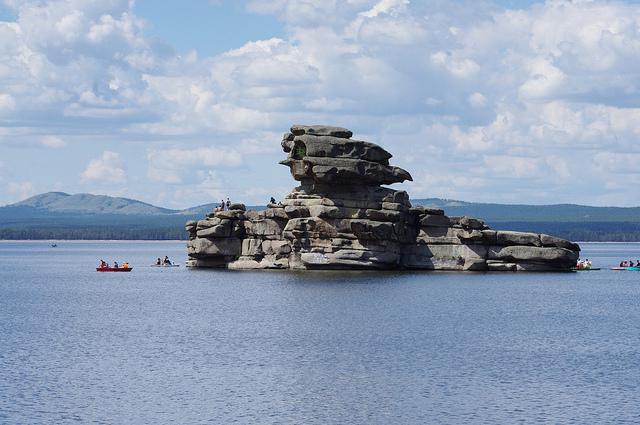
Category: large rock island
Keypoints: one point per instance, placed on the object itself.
(340, 217)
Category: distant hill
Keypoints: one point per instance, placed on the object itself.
(58, 215)
(60, 202)
(533, 213)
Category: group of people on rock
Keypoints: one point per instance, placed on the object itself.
(629, 263)
(105, 265)
(224, 206)
(165, 262)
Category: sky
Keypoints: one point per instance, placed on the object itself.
(183, 103)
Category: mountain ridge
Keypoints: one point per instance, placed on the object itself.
(59, 215)
(86, 203)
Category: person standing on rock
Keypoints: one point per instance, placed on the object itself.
(222, 205)
(228, 204)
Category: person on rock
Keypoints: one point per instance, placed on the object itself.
(222, 205)
(272, 200)
(228, 204)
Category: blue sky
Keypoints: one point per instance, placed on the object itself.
(182, 103)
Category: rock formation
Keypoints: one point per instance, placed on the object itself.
(340, 217)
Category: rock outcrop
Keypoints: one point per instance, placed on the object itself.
(340, 217)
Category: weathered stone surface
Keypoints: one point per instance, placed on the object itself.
(219, 231)
(341, 218)
(252, 248)
(343, 170)
(433, 220)
(321, 130)
(335, 147)
(275, 213)
(266, 262)
(501, 266)
(231, 214)
(426, 210)
(471, 223)
(203, 248)
(547, 240)
(265, 227)
(532, 254)
(505, 237)
(238, 207)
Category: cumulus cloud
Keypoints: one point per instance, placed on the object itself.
(465, 89)
(20, 190)
(53, 142)
(171, 165)
(106, 169)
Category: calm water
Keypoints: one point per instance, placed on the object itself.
(191, 346)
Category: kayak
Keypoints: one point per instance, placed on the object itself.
(632, 269)
(114, 269)
(576, 269)
(165, 265)
(618, 268)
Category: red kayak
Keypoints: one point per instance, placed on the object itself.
(114, 269)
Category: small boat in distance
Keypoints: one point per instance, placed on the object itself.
(114, 269)
(105, 267)
(165, 265)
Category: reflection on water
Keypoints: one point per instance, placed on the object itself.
(195, 346)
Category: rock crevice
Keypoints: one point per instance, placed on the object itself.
(340, 217)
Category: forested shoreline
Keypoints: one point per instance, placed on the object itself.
(174, 230)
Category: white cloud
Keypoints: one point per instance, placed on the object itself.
(106, 169)
(477, 100)
(54, 142)
(20, 190)
(7, 102)
(480, 91)
(172, 165)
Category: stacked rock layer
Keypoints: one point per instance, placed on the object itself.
(340, 217)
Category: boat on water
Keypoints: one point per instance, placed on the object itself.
(165, 265)
(583, 269)
(632, 269)
(114, 269)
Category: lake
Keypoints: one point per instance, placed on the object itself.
(204, 346)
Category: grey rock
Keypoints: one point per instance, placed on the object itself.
(205, 248)
(343, 170)
(231, 214)
(219, 231)
(334, 147)
(429, 220)
(517, 238)
(238, 207)
(532, 254)
(293, 211)
(420, 210)
(547, 240)
(321, 130)
(265, 227)
(471, 223)
(340, 217)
